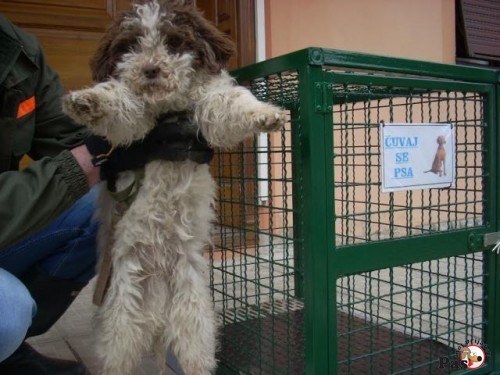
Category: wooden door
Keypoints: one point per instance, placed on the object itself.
(236, 18)
(68, 30)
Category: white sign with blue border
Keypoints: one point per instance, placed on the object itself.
(417, 156)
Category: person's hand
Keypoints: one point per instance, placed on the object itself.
(84, 159)
(174, 138)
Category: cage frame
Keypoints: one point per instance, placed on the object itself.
(324, 262)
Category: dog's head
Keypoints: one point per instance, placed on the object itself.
(441, 140)
(158, 45)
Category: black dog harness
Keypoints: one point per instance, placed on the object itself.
(183, 141)
(180, 140)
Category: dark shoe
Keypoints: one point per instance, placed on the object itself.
(27, 361)
(52, 296)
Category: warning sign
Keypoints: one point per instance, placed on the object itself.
(417, 156)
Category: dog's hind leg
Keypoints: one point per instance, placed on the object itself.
(192, 325)
(123, 332)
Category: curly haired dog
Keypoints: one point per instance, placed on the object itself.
(163, 57)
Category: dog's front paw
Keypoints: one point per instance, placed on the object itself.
(269, 118)
(83, 106)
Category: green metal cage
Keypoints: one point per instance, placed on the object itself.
(313, 268)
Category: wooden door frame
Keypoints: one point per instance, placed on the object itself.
(243, 27)
(247, 54)
(246, 32)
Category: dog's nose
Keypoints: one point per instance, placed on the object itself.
(151, 71)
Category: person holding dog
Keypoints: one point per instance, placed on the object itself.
(47, 237)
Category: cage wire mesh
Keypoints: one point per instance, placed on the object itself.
(389, 321)
(363, 213)
(403, 319)
(254, 269)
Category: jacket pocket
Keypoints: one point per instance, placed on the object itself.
(17, 120)
(24, 131)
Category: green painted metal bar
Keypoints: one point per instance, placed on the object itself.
(490, 310)
(345, 59)
(493, 332)
(492, 262)
(290, 61)
(337, 58)
(298, 201)
(398, 252)
(330, 234)
(414, 82)
(315, 226)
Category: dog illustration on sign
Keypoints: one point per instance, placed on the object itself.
(439, 163)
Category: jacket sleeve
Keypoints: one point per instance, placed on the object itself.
(33, 197)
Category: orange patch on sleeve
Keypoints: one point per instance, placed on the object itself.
(26, 107)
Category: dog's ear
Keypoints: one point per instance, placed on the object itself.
(102, 64)
(192, 32)
(214, 48)
(113, 44)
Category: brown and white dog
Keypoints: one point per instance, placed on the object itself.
(162, 57)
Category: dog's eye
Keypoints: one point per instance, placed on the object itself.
(174, 42)
(123, 45)
(121, 49)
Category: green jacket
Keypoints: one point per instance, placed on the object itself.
(33, 197)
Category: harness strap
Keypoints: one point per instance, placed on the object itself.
(128, 194)
(125, 197)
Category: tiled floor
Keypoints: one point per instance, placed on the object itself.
(72, 337)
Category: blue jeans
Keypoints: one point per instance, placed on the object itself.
(16, 310)
(65, 249)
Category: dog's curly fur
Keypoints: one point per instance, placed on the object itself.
(161, 57)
